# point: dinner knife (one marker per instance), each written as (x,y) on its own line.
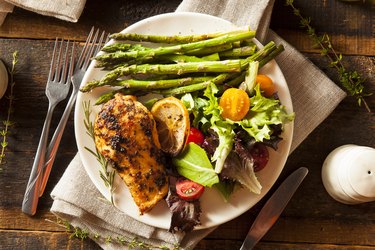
(271,211)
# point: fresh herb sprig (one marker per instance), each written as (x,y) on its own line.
(106,174)
(8,123)
(131,243)
(352,81)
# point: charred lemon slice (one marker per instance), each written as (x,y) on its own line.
(172,123)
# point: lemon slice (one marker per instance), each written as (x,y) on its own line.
(173,124)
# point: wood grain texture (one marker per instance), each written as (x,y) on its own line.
(35,240)
(113,16)
(312,219)
(351,26)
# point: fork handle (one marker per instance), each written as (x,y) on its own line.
(55,142)
(31,197)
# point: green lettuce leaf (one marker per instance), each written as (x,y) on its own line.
(195,106)
(263,113)
(223,128)
(225,188)
(242,171)
(193,164)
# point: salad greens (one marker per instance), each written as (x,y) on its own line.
(264,112)
(242,171)
(223,129)
(185,214)
(185,69)
(194,164)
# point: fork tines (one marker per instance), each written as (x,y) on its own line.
(91,48)
(59,66)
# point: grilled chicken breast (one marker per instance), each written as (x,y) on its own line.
(125,134)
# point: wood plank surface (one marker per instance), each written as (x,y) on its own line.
(350,26)
(312,219)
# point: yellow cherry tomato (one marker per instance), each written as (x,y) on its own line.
(235,104)
(266,85)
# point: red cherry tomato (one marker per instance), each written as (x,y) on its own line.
(260,156)
(195,136)
(189,190)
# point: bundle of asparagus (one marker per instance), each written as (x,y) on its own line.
(174,65)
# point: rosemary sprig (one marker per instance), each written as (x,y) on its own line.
(82,234)
(106,175)
(8,123)
(352,81)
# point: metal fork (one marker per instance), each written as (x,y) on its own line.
(92,46)
(57,89)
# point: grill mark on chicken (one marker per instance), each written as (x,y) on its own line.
(125,133)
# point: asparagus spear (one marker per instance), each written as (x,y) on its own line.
(238,78)
(263,52)
(220,79)
(195,52)
(149,84)
(193,87)
(250,77)
(229,38)
(239,52)
(271,55)
(178,69)
(173,38)
(177,58)
(110,95)
(112,76)
(122,47)
(209,50)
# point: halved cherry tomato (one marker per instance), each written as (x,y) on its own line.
(260,156)
(189,190)
(235,104)
(195,136)
(266,85)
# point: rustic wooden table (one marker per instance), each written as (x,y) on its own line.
(312,219)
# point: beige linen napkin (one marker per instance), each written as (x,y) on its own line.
(314,97)
(68,10)
(5,8)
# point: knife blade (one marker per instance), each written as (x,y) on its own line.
(271,211)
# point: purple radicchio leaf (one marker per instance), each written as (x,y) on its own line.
(185,214)
(211,142)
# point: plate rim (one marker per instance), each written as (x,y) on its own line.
(105,192)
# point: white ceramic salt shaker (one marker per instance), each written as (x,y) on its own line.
(361,176)
(348,174)
(3,79)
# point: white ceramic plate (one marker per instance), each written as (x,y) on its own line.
(214,210)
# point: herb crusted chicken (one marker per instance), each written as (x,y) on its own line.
(126,135)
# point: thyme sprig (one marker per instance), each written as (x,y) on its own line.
(8,123)
(352,81)
(131,243)
(106,174)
